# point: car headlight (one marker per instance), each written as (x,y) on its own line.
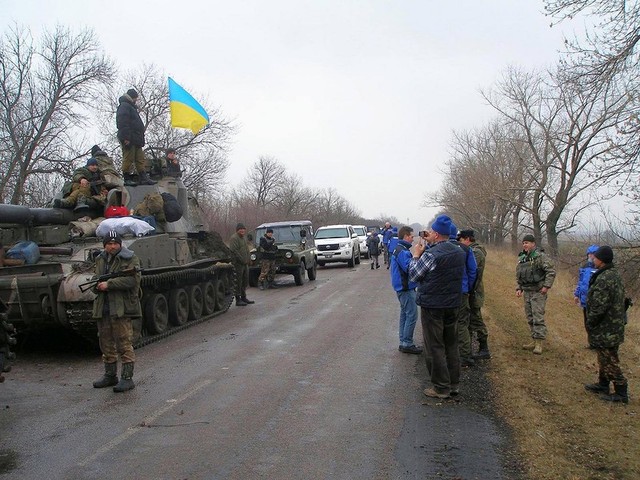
(288,255)
(343,244)
(253,257)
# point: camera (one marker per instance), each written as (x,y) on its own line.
(422,233)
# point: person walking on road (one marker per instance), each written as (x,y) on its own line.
(240,258)
(373,247)
(405,290)
(535,274)
(117,302)
(438,272)
(606,318)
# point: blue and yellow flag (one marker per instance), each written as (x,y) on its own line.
(185,111)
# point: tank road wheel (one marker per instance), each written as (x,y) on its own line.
(209,298)
(178,306)
(221,294)
(298,275)
(156,313)
(253,278)
(311,272)
(196,301)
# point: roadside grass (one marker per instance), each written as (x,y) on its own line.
(562,431)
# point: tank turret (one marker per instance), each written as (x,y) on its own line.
(186,276)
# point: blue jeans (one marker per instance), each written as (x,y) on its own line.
(408,316)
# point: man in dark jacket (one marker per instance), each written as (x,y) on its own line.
(438,272)
(131,137)
(373,247)
(240,258)
(116,303)
(268,249)
(605,325)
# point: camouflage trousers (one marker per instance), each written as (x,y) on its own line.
(132,155)
(267,270)
(476,322)
(609,366)
(534,303)
(115,336)
(464,337)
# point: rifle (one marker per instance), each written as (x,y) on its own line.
(103,278)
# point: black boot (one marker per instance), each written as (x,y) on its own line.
(126,382)
(261,285)
(621,394)
(246,300)
(109,378)
(483,351)
(601,387)
(129,181)
(240,302)
(145,180)
(81,204)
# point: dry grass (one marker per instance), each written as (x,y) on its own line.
(562,431)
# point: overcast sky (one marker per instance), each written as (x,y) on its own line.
(361,96)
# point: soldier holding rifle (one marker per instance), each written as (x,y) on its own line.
(117,302)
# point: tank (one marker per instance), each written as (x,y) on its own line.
(187,276)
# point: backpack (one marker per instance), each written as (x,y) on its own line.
(172,209)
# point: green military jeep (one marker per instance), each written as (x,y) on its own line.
(296,253)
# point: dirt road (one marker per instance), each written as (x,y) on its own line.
(307,383)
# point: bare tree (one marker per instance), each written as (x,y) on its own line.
(569,134)
(46,89)
(264,181)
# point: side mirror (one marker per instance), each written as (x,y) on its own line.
(354,235)
(250,237)
(303,233)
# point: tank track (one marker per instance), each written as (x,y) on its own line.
(80,319)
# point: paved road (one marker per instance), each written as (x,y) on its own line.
(305,384)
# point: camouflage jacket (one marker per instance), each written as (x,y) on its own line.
(605,308)
(123,292)
(534,271)
(476,297)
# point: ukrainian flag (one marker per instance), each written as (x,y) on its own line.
(185,111)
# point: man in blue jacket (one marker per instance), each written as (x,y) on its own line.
(586,271)
(405,290)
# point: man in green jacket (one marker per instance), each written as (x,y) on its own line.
(535,274)
(117,302)
(240,259)
(605,321)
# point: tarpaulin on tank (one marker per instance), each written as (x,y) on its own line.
(25,250)
(124,226)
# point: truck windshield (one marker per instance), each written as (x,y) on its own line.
(284,234)
(361,231)
(338,232)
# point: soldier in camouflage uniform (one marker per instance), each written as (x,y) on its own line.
(605,325)
(535,274)
(476,294)
(268,249)
(240,257)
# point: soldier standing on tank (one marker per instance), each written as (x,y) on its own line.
(131,137)
(535,274)
(240,259)
(117,302)
(268,249)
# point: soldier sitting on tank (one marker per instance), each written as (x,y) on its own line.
(151,210)
(88,189)
(172,163)
(111,176)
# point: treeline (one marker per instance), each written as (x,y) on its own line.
(562,141)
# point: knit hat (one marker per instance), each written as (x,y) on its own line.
(453,234)
(92,161)
(111,236)
(269,230)
(467,233)
(240,226)
(95,149)
(442,225)
(529,238)
(604,254)
(132,93)
(592,249)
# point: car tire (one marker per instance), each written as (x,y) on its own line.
(311,272)
(352,261)
(299,274)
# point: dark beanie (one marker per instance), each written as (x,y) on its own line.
(529,238)
(95,149)
(442,225)
(111,236)
(240,226)
(467,233)
(92,161)
(269,230)
(604,254)
(132,93)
